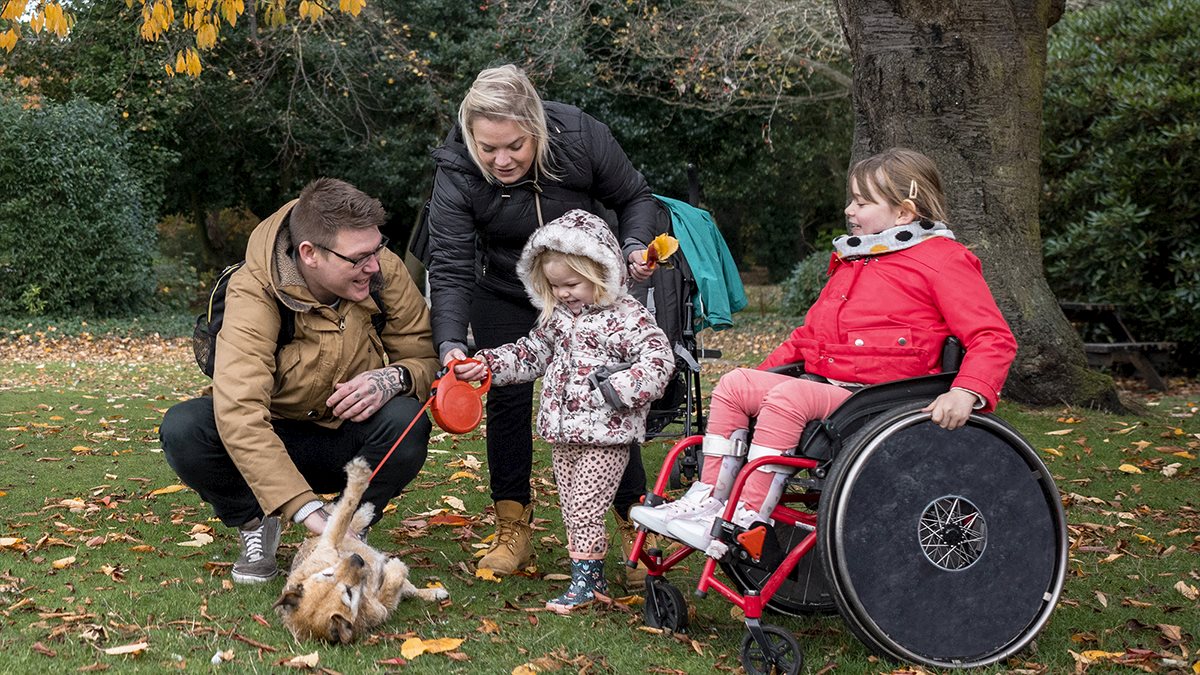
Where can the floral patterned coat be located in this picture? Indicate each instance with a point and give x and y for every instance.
(569, 349)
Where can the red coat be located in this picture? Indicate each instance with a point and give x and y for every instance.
(886, 317)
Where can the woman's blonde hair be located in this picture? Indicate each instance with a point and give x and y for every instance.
(900, 175)
(505, 93)
(585, 267)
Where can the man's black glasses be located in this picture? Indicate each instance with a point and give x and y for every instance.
(357, 262)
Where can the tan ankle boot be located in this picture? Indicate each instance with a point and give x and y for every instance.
(512, 548)
(635, 577)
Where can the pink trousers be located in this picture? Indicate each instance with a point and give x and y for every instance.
(782, 406)
(587, 477)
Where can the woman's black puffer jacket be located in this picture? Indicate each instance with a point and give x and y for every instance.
(477, 229)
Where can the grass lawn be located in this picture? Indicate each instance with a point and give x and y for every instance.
(107, 564)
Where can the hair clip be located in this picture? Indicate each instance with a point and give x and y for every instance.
(912, 189)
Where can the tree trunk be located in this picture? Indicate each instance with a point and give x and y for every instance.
(962, 82)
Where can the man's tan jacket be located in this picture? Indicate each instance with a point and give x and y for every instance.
(253, 385)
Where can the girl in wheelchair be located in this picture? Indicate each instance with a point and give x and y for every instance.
(899, 285)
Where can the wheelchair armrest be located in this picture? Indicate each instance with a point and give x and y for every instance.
(790, 369)
(822, 439)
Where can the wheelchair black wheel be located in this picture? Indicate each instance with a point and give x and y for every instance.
(804, 592)
(943, 548)
(665, 606)
(786, 658)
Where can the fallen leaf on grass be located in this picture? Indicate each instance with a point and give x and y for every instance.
(487, 575)
(305, 661)
(167, 490)
(135, 648)
(1128, 468)
(450, 519)
(414, 647)
(1171, 469)
(487, 626)
(198, 539)
(557, 577)
(454, 503)
(15, 543)
(64, 563)
(1187, 590)
(397, 661)
(1102, 599)
(43, 650)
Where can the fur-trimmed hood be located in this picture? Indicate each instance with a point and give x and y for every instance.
(580, 233)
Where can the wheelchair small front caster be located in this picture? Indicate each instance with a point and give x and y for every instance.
(780, 655)
(665, 607)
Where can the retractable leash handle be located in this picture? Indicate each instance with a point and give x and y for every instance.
(457, 407)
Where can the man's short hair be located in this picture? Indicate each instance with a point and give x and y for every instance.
(327, 206)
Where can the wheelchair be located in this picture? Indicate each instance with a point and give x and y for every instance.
(941, 548)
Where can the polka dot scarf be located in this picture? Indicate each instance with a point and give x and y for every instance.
(890, 240)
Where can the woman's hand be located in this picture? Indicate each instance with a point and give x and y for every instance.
(951, 409)
(453, 355)
(471, 370)
(639, 269)
(364, 394)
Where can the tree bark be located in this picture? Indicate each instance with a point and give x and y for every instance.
(962, 82)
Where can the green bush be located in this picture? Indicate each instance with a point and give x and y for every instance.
(75, 237)
(801, 288)
(1120, 212)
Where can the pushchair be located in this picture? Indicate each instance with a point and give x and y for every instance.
(680, 305)
(945, 549)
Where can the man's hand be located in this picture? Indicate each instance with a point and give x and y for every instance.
(951, 409)
(472, 370)
(319, 519)
(639, 269)
(365, 393)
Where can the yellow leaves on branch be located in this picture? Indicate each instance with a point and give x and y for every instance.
(49, 17)
(204, 17)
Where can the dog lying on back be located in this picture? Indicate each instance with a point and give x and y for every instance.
(339, 587)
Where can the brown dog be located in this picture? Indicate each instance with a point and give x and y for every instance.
(340, 587)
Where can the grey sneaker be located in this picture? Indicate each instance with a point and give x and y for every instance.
(256, 564)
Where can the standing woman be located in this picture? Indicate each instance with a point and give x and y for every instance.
(511, 163)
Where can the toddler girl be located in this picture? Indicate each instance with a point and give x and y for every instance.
(602, 360)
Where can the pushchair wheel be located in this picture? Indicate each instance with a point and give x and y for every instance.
(684, 470)
(665, 606)
(942, 548)
(782, 654)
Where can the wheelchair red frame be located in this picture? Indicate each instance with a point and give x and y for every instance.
(872, 426)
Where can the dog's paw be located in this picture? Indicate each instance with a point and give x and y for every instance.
(358, 468)
(436, 594)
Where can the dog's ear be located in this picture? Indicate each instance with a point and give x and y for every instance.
(341, 631)
(289, 600)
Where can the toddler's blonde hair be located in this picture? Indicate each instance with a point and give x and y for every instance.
(585, 267)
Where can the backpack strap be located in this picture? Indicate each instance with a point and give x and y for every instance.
(380, 318)
(287, 326)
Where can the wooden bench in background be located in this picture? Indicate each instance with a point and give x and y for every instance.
(1124, 348)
